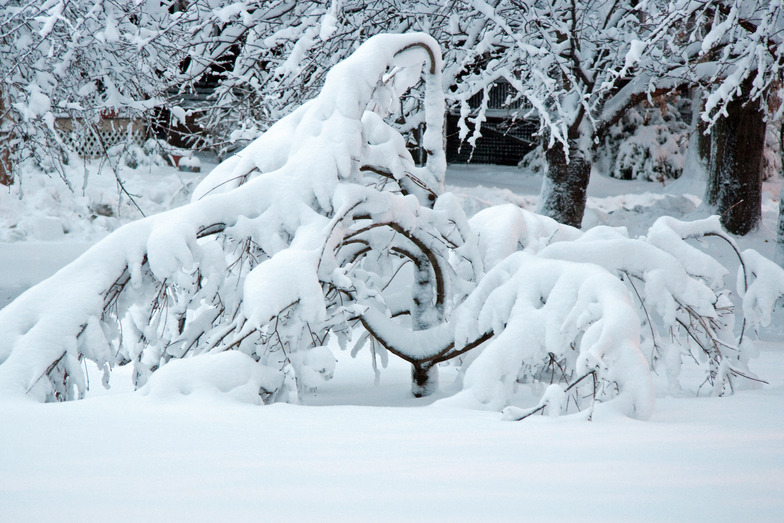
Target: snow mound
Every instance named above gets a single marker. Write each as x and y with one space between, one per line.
232 373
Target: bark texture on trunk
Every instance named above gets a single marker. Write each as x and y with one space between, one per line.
6 164
780 231
6 170
424 380
565 186
737 146
425 314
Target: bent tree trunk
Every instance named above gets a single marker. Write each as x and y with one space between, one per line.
564 190
737 145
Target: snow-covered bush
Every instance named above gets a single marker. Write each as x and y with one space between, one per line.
324 227
153 152
558 318
647 143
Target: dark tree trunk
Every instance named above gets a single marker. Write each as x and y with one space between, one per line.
780 232
424 380
425 314
737 145
6 171
565 186
6 164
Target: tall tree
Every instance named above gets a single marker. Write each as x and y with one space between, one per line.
735 172
579 64
740 65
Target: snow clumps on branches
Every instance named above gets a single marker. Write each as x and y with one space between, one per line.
324 226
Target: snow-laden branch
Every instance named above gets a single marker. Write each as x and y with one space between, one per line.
100 309
324 225
543 311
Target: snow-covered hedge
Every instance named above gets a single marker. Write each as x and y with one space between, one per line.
325 227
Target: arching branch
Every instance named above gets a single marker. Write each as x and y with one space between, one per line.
430 53
430 254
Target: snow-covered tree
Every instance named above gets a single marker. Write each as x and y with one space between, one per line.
81 60
328 166
735 41
583 65
580 66
323 226
275 55
740 66
84 60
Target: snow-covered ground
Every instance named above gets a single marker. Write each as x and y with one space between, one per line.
352 452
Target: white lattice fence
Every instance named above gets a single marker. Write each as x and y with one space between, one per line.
89 141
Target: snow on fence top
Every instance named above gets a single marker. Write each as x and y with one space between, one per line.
325 227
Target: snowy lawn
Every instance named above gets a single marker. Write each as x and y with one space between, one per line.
352 453
358 456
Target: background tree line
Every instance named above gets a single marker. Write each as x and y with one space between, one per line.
582 66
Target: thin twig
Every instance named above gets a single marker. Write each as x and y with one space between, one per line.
645 310
49 369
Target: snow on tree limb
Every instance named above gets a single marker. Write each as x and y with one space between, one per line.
325 223
293 194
